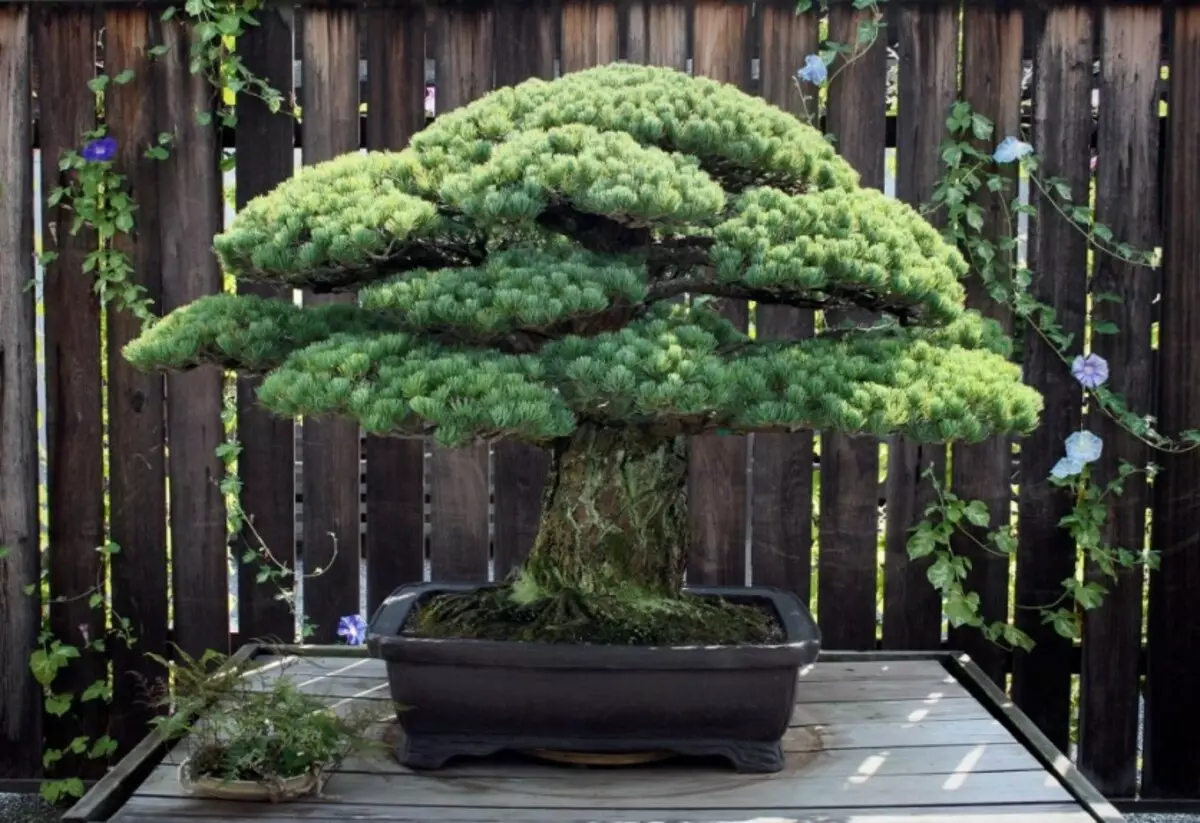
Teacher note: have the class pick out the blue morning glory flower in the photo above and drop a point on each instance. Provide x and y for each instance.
(1010, 150)
(100, 151)
(1066, 467)
(1084, 447)
(814, 70)
(1090, 371)
(353, 628)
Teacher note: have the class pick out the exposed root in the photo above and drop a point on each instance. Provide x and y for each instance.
(607, 619)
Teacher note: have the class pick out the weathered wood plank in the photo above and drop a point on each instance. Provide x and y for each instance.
(634, 45)
(66, 46)
(781, 526)
(20, 709)
(992, 42)
(589, 34)
(190, 208)
(459, 499)
(266, 466)
(1058, 258)
(717, 470)
(526, 41)
(667, 33)
(145, 809)
(921, 672)
(525, 47)
(395, 539)
(329, 51)
(1127, 200)
(847, 564)
(883, 669)
(1172, 765)
(646, 789)
(137, 482)
(928, 86)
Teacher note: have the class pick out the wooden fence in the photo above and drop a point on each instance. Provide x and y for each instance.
(456, 514)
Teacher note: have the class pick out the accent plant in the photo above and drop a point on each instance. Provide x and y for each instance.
(548, 265)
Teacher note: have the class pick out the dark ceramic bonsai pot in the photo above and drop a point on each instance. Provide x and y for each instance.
(478, 697)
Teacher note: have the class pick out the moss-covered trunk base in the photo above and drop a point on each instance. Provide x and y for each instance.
(607, 565)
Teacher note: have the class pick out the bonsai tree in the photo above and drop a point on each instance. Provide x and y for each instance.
(547, 265)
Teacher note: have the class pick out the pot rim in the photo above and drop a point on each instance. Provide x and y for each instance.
(801, 647)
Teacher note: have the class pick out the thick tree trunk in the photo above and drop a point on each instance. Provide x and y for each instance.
(614, 514)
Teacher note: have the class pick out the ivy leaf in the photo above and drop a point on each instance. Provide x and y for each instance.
(1106, 327)
(981, 127)
(124, 77)
(97, 691)
(1017, 638)
(977, 513)
(1065, 623)
(103, 747)
(79, 744)
(58, 704)
(921, 544)
(941, 574)
(43, 667)
(98, 83)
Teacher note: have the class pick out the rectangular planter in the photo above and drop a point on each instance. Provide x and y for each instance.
(477, 697)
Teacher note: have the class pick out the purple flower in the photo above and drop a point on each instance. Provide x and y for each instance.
(1011, 149)
(1091, 371)
(1084, 447)
(814, 70)
(353, 628)
(100, 151)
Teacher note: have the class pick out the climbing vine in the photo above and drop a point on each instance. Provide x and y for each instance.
(97, 196)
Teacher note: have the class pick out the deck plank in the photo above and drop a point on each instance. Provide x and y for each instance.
(144, 810)
(871, 742)
(647, 789)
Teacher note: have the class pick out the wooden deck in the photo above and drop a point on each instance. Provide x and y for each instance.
(871, 741)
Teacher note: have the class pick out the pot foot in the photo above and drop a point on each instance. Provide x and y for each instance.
(430, 751)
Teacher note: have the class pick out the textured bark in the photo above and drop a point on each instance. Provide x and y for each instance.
(614, 513)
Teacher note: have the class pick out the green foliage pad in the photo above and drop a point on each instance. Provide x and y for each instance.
(541, 265)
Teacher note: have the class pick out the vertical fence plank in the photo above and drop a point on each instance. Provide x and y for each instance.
(634, 44)
(1058, 257)
(519, 470)
(66, 48)
(136, 463)
(782, 465)
(395, 551)
(667, 34)
(525, 41)
(589, 34)
(267, 463)
(928, 85)
(20, 699)
(847, 563)
(459, 499)
(1126, 201)
(331, 530)
(717, 476)
(1172, 767)
(992, 43)
(190, 206)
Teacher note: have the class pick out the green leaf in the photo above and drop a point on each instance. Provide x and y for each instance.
(952, 155)
(977, 512)
(43, 667)
(981, 127)
(1017, 638)
(157, 153)
(157, 51)
(79, 744)
(169, 13)
(103, 747)
(1106, 327)
(204, 118)
(97, 691)
(941, 574)
(58, 704)
(98, 83)
(124, 77)
(921, 544)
